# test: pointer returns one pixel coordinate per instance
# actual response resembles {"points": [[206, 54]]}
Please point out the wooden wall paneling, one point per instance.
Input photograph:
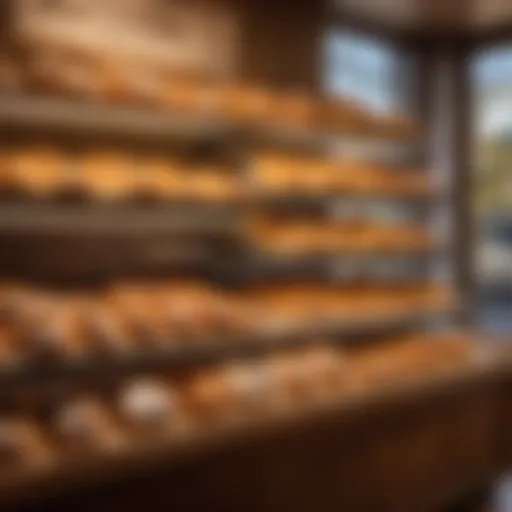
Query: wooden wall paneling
{"points": [[281, 43]]}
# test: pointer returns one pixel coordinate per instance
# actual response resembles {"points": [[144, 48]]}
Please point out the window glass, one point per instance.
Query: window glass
{"points": [[365, 69], [492, 186]]}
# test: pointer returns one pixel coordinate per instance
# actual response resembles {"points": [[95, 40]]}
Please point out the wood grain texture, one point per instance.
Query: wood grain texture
{"points": [[417, 452]]}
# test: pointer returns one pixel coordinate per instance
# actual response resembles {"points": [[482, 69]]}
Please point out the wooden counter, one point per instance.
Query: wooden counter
{"points": [[411, 445]]}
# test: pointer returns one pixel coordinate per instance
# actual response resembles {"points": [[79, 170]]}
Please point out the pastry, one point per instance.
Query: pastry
{"points": [[85, 425], [191, 94], [139, 308], [251, 384], [296, 381], [132, 82], [105, 330], [72, 73], [211, 185], [158, 179], [48, 328], [273, 172], [108, 175], [249, 103], [229, 392], [209, 396], [149, 405], [35, 172], [322, 369], [22, 444], [189, 317]]}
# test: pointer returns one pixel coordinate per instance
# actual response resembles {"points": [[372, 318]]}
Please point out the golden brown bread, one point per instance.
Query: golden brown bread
{"points": [[212, 184], [249, 103], [276, 172], [22, 444], [47, 327], [104, 329], [305, 237], [86, 424], [67, 72], [208, 396], [131, 317], [35, 171], [148, 405], [192, 94], [107, 175]]}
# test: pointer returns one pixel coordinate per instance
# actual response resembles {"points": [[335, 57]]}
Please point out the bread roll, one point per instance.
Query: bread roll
{"points": [[22, 444], [212, 185], [190, 94], [209, 396], [104, 330], [35, 172], [87, 424], [251, 384], [229, 392], [126, 81], [139, 307], [273, 172], [72, 73], [322, 370], [149, 405], [290, 386], [108, 175], [49, 330], [158, 179], [249, 103], [187, 317]]}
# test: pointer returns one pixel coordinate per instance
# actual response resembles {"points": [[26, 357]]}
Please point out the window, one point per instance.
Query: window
{"points": [[366, 70], [492, 186]]}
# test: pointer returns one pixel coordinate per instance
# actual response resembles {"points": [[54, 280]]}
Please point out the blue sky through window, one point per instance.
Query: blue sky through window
{"points": [[362, 68], [492, 78]]}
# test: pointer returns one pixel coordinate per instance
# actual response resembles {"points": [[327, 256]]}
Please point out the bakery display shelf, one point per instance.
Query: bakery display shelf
{"points": [[40, 112], [54, 478], [377, 268], [20, 377], [320, 139], [29, 217], [181, 215], [263, 258], [45, 112], [328, 276], [361, 253], [362, 201]]}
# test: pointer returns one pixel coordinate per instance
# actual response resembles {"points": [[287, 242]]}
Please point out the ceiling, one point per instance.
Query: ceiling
{"points": [[440, 15]]}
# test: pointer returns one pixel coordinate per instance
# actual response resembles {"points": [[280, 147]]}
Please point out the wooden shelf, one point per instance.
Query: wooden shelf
{"points": [[111, 219], [30, 111], [23, 377]]}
